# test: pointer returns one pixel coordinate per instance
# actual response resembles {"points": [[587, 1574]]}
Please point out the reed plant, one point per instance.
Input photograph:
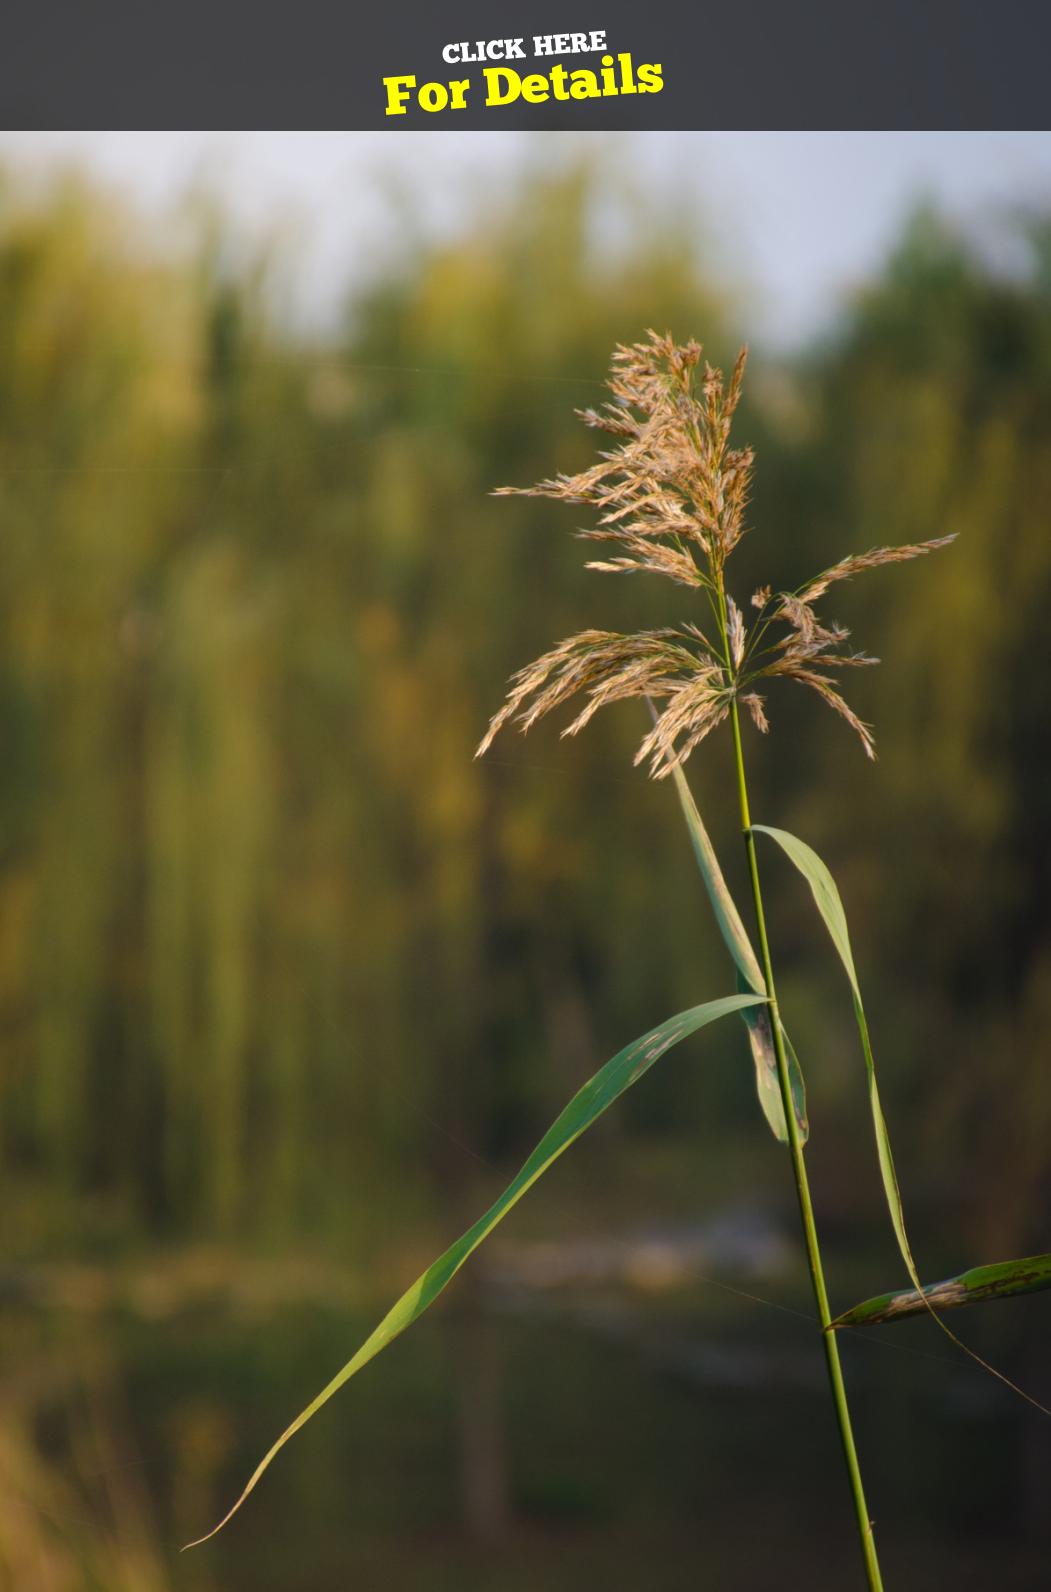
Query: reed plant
{"points": [[670, 497]]}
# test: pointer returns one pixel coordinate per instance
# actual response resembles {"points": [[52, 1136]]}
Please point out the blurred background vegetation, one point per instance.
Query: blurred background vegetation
{"points": [[288, 982]]}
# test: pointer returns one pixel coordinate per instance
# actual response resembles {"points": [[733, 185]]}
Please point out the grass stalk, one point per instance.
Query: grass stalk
{"points": [[671, 498], [806, 1209]]}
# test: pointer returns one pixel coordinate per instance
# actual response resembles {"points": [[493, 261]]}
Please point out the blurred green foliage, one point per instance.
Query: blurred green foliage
{"points": [[264, 923]]}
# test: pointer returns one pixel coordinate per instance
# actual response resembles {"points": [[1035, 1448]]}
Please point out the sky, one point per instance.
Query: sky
{"points": [[795, 220]]}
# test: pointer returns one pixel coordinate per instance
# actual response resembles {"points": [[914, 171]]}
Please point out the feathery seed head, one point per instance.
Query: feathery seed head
{"points": [[671, 497]]}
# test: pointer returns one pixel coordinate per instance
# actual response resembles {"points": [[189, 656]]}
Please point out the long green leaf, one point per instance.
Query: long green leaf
{"points": [[828, 902], [626, 1067], [977, 1286], [825, 892], [749, 977], [726, 914], [827, 899]]}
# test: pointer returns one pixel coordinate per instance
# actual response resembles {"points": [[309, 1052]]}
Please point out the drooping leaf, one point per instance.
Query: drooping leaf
{"points": [[828, 902], [626, 1067], [825, 892], [977, 1286], [749, 977]]}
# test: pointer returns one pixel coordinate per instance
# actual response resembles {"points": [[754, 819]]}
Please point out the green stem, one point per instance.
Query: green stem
{"points": [[806, 1209]]}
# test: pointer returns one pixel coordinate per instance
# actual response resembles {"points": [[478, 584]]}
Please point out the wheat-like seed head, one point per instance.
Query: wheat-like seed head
{"points": [[672, 497]]}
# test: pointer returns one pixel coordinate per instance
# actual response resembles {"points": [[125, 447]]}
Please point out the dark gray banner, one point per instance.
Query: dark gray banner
{"points": [[588, 64]]}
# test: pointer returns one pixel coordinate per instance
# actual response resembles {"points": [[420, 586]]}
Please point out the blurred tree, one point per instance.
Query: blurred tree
{"points": [[264, 921]]}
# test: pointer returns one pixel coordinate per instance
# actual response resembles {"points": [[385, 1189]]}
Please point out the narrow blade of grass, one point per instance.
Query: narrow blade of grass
{"points": [[977, 1286], [626, 1068], [727, 916], [829, 904], [749, 977]]}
